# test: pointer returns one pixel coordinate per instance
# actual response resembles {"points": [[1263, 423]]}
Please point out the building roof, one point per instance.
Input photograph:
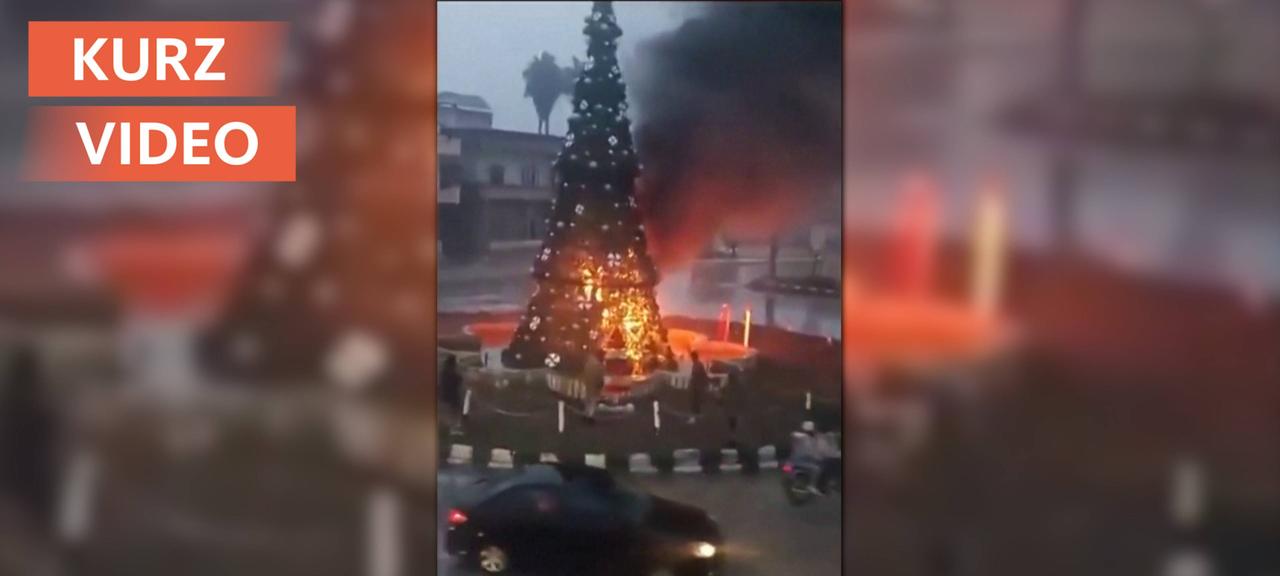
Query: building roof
{"points": [[495, 134], [464, 101]]}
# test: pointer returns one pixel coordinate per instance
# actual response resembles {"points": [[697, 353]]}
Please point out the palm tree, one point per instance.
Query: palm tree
{"points": [[544, 83]]}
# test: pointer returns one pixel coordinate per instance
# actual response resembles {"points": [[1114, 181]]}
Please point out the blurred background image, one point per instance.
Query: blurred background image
{"points": [[230, 378], [1063, 215]]}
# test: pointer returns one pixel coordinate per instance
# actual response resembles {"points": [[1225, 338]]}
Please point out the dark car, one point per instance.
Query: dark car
{"points": [[568, 519]]}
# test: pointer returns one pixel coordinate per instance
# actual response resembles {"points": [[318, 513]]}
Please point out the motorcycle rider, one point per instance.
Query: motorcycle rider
{"points": [[819, 452]]}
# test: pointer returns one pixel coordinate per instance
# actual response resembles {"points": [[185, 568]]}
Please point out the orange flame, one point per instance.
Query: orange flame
{"points": [[624, 307], [915, 237]]}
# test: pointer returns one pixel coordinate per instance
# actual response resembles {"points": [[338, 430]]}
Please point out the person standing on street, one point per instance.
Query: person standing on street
{"points": [[698, 381], [28, 439], [593, 379], [451, 388], [733, 400]]}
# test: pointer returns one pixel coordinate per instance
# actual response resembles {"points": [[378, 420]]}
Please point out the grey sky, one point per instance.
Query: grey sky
{"points": [[484, 46]]}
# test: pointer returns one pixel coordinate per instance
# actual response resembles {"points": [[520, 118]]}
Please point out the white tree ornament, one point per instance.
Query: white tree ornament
{"points": [[356, 360], [299, 241]]}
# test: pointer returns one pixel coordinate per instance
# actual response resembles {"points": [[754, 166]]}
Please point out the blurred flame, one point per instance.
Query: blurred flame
{"points": [[987, 254], [915, 237]]}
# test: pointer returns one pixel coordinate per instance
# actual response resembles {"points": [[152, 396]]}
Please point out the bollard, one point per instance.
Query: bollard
{"points": [[657, 420], [383, 532], [466, 404], [460, 454], [501, 458], [688, 460], [641, 463], [729, 460], [595, 460], [561, 415], [767, 456], [808, 401]]}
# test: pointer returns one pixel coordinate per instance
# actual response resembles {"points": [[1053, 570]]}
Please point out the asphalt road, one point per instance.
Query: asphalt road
{"points": [[764, 534]]}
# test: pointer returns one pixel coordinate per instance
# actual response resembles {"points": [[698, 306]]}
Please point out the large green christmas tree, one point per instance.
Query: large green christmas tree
{"points": [[594, 276]]}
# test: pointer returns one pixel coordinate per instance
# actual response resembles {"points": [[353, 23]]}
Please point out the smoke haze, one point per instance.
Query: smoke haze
{"points": [[738, 123]]}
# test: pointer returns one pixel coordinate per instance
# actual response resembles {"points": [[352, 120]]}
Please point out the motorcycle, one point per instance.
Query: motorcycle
{"points": [[801, 473]]}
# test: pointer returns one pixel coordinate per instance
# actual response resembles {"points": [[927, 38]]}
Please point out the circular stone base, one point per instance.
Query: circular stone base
{"points": [[546, 413], [539, 411]]}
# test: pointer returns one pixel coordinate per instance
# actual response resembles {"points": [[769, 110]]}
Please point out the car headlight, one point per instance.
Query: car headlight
{"points": [[704, 550]]}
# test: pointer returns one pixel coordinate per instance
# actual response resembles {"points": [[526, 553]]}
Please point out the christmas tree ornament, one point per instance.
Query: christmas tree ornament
{"points": [[356, 360], [299, 241]]}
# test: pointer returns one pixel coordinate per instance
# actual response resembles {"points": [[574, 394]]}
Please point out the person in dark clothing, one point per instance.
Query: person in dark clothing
{"points": [[731, 398], [593, 374], [698, 381], [451, 386], [28, 439]]}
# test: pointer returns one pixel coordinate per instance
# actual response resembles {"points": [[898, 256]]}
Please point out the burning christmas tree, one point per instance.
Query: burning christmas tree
{"points": [[594, 276]]}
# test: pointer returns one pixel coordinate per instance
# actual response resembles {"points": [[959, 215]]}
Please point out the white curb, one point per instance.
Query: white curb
{"points": [[548, 458], [640, 463], [460, 454], [767, 457], [688, 461], [595, 461], [501, 458], [729, 460]]}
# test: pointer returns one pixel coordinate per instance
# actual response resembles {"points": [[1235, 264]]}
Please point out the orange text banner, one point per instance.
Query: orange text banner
{"points": [[160, 59], [161, 143]]}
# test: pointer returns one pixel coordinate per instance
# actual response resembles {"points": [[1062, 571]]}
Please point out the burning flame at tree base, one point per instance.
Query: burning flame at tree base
{"points": [[627, 312], [628, 321]]}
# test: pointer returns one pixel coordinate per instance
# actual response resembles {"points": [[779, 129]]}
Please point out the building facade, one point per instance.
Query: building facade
{"points": [[496, 185]]}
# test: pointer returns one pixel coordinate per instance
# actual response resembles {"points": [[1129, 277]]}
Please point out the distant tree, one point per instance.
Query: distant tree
{"points": [[544, 83]]}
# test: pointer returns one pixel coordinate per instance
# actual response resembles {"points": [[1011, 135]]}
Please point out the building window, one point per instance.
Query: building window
{"points": [[529, 175], [497, 174]]}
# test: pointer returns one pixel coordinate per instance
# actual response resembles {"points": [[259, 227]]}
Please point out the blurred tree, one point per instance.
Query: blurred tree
{"points": [[342, 282]]}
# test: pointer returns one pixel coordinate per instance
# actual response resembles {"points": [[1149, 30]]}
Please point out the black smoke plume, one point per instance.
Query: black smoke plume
{"points": [[738, 123]]}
